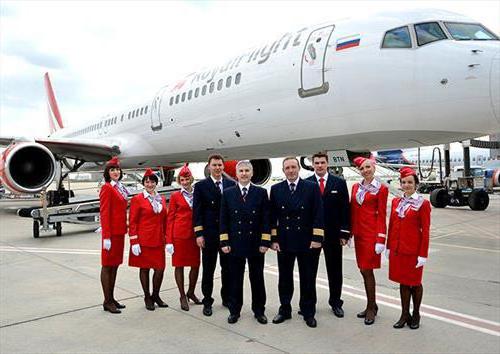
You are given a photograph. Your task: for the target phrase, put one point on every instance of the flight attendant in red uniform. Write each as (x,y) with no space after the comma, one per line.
(181,240)
(368,212)
(408,246)
(147,229)
(113,216)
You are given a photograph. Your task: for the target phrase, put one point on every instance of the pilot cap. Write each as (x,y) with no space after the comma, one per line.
(407,171)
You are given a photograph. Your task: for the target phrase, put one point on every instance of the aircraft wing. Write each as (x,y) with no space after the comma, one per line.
(89,152)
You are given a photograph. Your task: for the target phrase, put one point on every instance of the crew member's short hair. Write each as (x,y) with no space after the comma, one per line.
(415,178)
(215,157)
(320,155)
(107,177)
(152,177)
(290,158)
(244,163)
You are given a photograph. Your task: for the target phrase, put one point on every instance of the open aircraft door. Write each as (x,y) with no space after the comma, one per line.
(156,111)
(312,69)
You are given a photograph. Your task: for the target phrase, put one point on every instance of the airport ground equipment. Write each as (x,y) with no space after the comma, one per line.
(461,188)
(84,212)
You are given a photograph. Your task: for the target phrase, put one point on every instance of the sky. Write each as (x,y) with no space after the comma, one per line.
(105,55)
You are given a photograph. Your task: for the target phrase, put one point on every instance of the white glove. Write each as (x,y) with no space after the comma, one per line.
(136,249)
(421,262)
(170,248)
(387,253)
(379,248)
(350,242)
(106,244)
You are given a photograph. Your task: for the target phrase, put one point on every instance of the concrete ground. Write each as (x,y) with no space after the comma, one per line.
(50,300)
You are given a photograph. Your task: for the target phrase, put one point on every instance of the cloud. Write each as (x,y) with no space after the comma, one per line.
(28,51)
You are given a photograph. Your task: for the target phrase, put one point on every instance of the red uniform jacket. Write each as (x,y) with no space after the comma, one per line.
(113,212)
(180,218)
(145,227)
(368,219)
(410,235)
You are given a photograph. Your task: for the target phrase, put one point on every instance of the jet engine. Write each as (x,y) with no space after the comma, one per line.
(27,167)
(262,169)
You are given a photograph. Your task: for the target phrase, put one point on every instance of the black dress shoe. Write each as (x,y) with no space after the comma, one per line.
(118,305)
(362,314)
(262,319)
(299,313)
(279,318)
(225,304)
(337,311)
(207,310)
(403,320)
(233,319)
(311,322)
(415,321)
(110,307)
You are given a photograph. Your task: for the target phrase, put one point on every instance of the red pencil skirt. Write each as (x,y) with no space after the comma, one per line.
(186,253)
(150,257)
(365,253)
(113,257)
(402,269)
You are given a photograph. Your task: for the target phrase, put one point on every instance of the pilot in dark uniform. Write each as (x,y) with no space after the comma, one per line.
(337,226)
(297,232)
(245,234)
(206,211)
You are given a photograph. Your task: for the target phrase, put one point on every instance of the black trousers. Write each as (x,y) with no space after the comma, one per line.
(333,261)
(209,262)
(308,268)
(256,275)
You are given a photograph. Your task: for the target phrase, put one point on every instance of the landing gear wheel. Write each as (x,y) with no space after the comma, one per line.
(58,229)
(479,200)
(439,198)
(36,229)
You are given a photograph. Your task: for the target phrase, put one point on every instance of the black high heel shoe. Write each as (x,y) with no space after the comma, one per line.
(110,307)
(403,320)
(158,301)
(194,299)
(362,314)
(184,303)
(118,305)
(415,321)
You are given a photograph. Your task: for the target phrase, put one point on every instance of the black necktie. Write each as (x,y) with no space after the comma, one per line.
(217,184)
(245,192)
(292,187)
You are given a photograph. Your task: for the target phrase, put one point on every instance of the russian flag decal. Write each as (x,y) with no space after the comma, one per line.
(348,42)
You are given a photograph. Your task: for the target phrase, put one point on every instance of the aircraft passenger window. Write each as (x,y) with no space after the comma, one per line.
(204,90)
(228,81)
(116,118)
(212,86)
(397,38)
(137,112)
(177,99)
(237,79)
(429,32)
(196,92)
(142,110)
(172,100)
(469,31)
(183,97)
(122,118)
(219,84)
(145,109)
(190,94)
(133,114)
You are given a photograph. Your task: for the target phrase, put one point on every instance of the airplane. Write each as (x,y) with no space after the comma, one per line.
(396,80)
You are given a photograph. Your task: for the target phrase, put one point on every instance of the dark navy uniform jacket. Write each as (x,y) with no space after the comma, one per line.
(245,225)
(206,209)
(336,207)
(296,219)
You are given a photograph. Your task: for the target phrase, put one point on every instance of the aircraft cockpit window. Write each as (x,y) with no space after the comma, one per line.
(122,118)
(397,38)
(142,110)
(219,84)
(114,120)
(172,100)
(212,86)
(204,90)
(237,79)
(129,115)
(137,112)
(183,97)
(228,81)
(190,94)
(146,110)
(429,32)
(469,31)
(196,92)
(133,114)
(177,99)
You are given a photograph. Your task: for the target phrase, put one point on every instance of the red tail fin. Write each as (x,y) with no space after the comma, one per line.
(55,120)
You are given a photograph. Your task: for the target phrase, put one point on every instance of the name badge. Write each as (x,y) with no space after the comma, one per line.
(334,192)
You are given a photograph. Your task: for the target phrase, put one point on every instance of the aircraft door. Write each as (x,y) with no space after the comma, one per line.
(156,111)
(312,69)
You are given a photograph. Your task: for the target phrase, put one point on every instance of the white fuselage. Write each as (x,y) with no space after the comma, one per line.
(298,95)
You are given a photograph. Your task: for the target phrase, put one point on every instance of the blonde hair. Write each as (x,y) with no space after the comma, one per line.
(178,179)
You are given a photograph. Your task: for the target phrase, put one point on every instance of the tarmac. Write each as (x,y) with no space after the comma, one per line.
(51,300)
